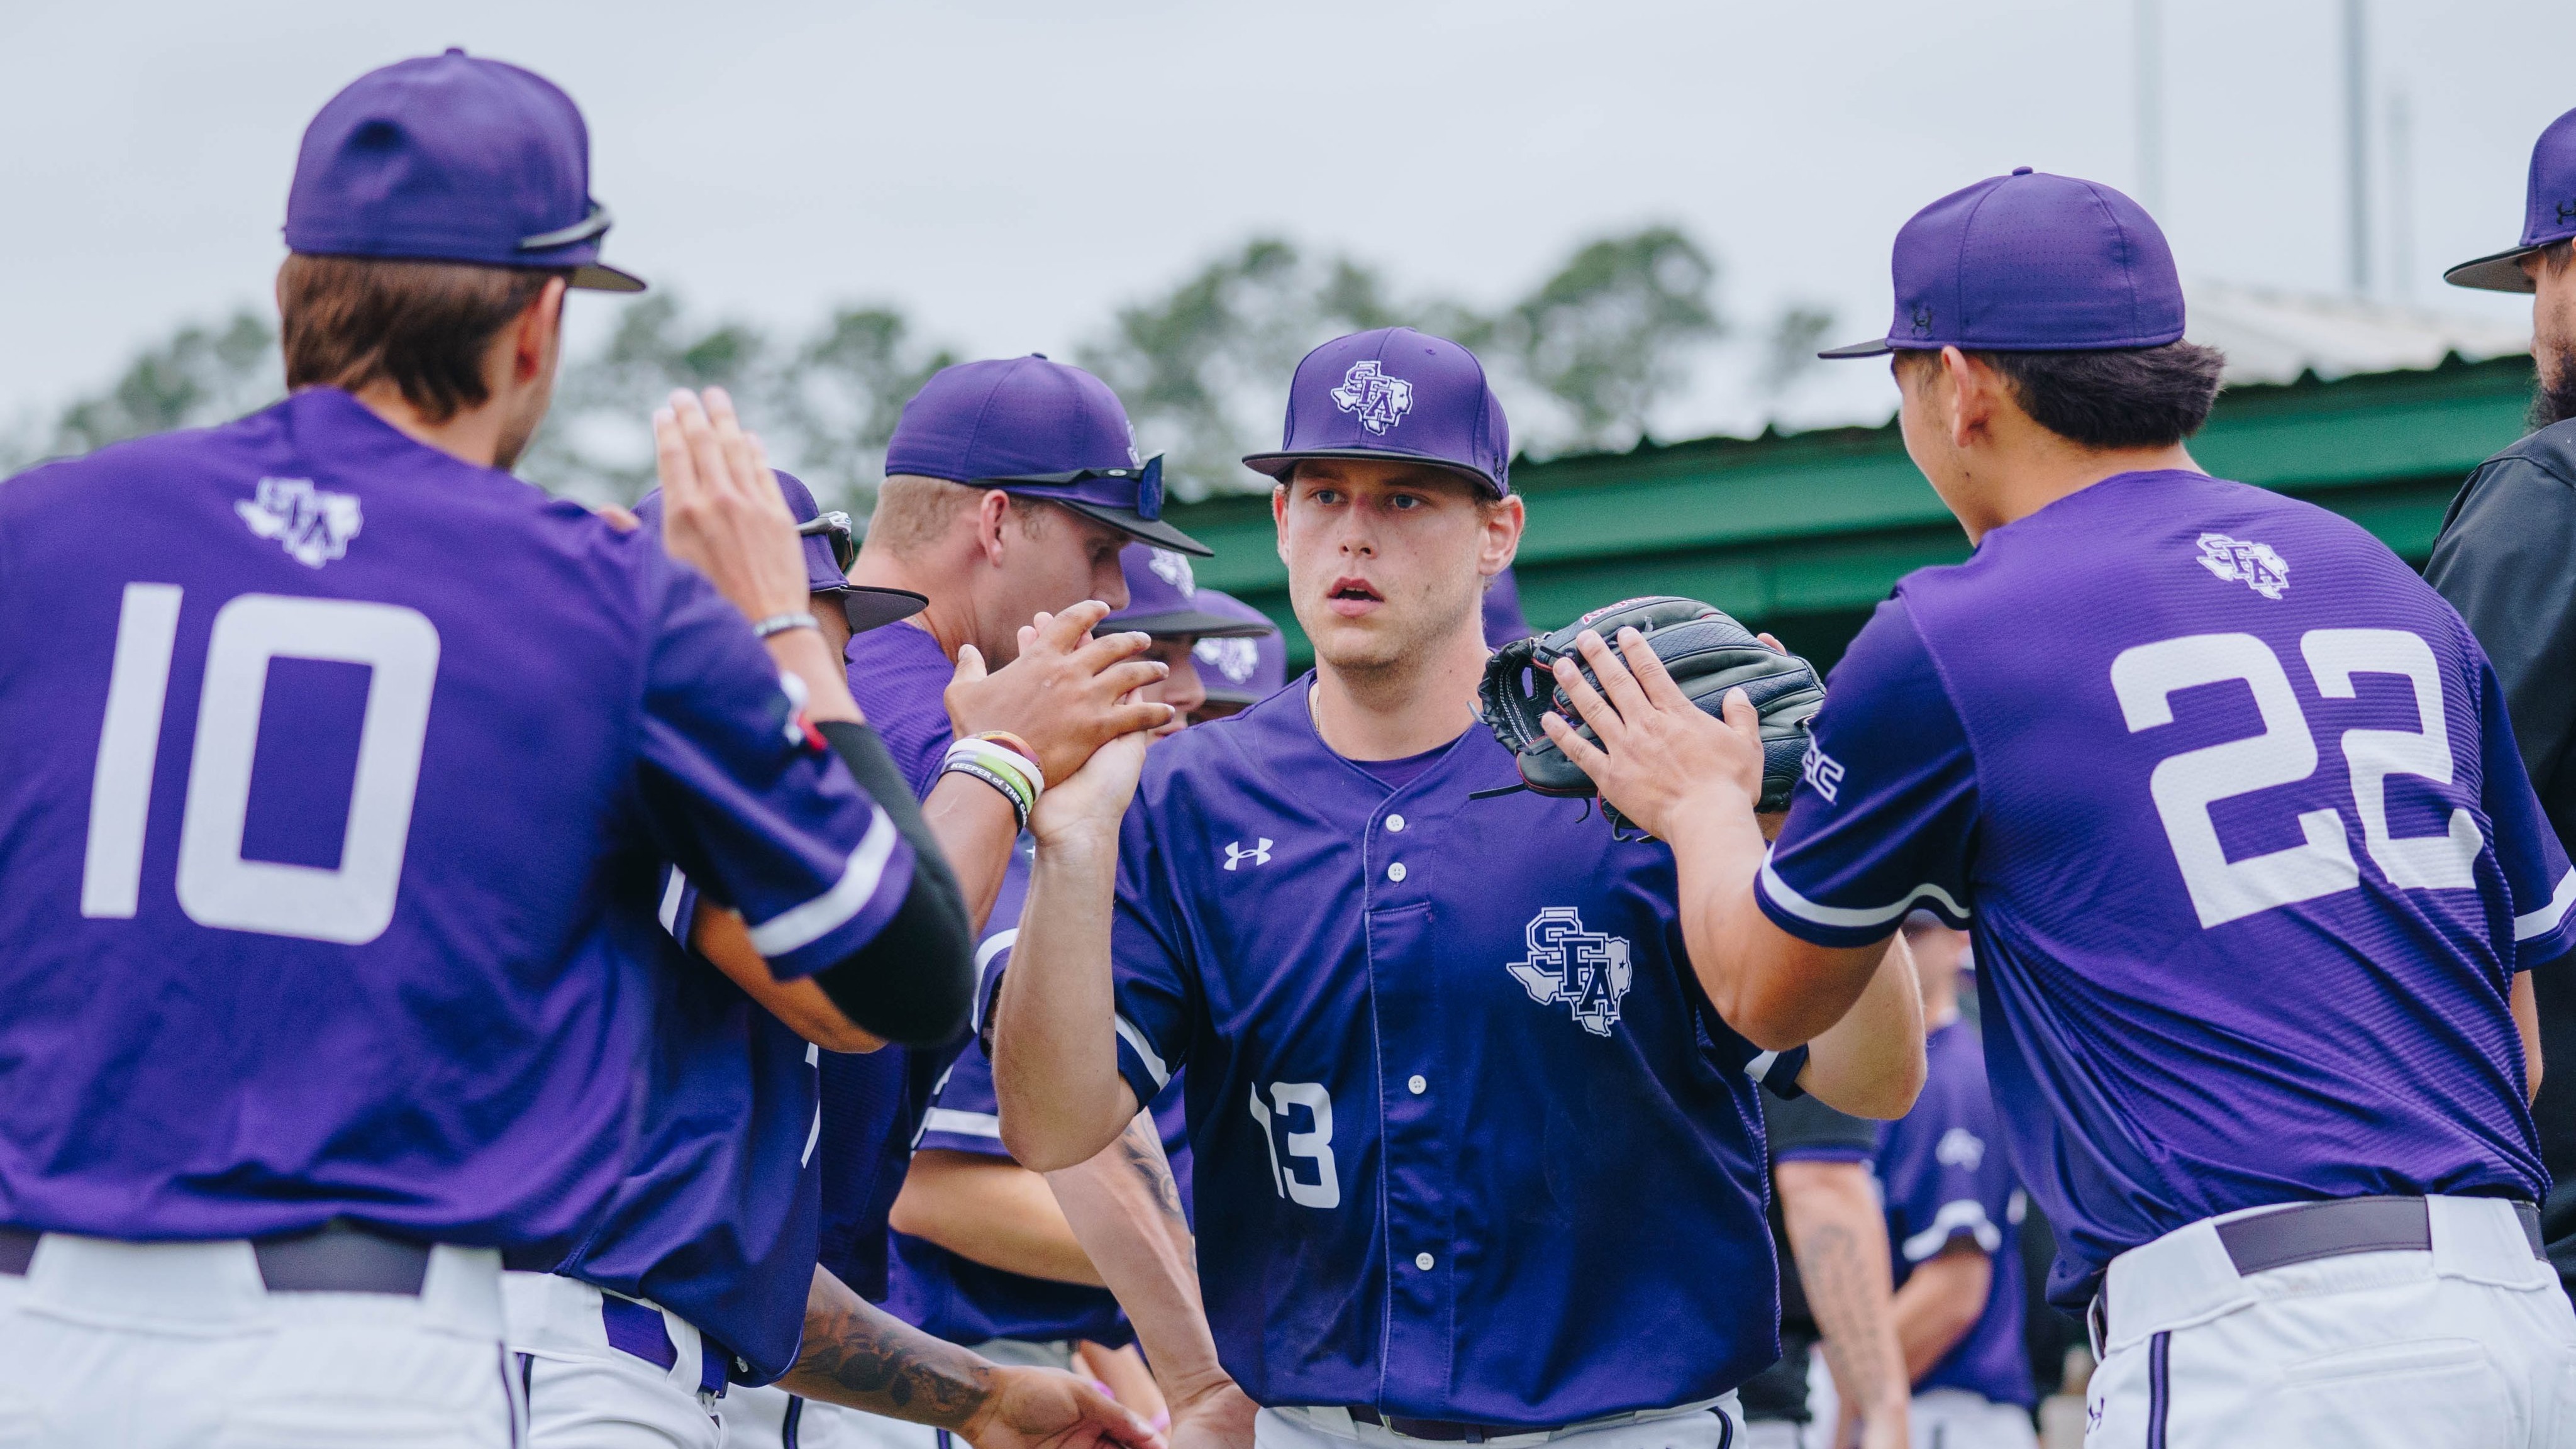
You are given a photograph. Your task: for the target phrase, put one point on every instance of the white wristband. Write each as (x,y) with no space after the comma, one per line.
(1002,759)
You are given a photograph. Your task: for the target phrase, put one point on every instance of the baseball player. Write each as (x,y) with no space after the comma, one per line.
(2503,562)
(1012,487)
(320,992)
(1954,1214)
(1834,1288)
(983,1254)
(1472,1160)
(2256,873)
(1238,672)
(702,1269)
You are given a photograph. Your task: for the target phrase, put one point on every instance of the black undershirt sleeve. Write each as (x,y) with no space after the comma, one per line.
(914,981)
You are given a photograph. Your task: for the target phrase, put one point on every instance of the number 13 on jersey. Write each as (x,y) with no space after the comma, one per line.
(2184,787)
(351,904)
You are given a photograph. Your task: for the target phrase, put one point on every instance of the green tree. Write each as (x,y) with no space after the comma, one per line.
(206,373)
(1204,367)
(1608,335)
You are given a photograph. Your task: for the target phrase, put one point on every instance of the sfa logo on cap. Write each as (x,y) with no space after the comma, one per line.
(1379,401)
(1350,394)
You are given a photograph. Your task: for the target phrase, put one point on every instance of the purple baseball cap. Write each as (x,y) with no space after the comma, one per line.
(2548,214)
(1163,599)
(1503,619)
(1240,669)
(1394,394)
(865,607)
(1037,429)
(451,158)
(2031,263)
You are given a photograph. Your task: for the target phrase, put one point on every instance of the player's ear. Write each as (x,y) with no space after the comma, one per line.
(992,511)
(1504,520)
(1970,395)
(1279,519)
(538,333)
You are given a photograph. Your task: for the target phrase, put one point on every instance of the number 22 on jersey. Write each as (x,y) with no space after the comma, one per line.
(2184,787)
(351,904)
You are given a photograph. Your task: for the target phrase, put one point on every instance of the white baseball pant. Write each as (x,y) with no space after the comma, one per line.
(2471,1343)
(584,1392)
(1718,1424)
(182,1345)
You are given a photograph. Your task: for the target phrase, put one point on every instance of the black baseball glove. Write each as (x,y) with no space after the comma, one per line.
(1706,653)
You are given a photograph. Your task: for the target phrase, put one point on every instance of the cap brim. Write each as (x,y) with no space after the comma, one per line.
(873,608)
(600,277)
(1188,621)
(1277,465)
(2501,272)
(1136,526)
(1875,347)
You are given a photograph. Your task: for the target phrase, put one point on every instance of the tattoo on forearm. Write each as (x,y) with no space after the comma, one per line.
(1143,1150)
(897,1369)
(1851,1313)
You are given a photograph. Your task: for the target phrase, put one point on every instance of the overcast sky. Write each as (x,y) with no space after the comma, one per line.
(1009,172)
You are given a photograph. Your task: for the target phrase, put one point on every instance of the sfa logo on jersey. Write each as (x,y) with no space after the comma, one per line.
(2242,560)
(1588,971)
(313,527)
(1379,401)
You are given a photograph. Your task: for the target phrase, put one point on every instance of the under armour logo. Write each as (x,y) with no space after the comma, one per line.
(1236,855)
(313,527)
(2243,560)
(1959,1147)
(1379,401)
(1587,970)
(1922,321)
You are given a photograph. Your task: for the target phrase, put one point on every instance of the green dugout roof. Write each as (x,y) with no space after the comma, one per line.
(1804,533)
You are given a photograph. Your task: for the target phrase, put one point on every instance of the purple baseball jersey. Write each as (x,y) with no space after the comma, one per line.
(717,1215)
(322,813)
(954,1297)
(2233,799)
(1944,1173)
(873,1104)
(1469,1142)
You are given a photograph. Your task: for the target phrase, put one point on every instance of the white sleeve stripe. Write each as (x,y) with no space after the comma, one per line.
(963,1124)
(1806,910)
(802,926)
(2545,920)
(670,913)
(1966,1213)
(994,945)
(1134,1036)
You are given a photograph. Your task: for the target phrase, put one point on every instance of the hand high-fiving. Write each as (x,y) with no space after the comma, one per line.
(721,509)
(1066,694)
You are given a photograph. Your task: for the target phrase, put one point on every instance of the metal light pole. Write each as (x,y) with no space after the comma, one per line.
(2356,126)
(2150,47)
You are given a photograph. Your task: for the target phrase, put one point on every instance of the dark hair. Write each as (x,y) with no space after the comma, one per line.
(2130,397)
(422,326)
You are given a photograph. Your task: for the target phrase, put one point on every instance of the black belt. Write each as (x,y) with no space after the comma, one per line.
(339,1258)
(2334,1228)
(1443,1430)
(2340,1226)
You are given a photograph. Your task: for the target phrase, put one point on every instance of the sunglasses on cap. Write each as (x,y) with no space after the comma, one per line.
(836,527)
(1149,483)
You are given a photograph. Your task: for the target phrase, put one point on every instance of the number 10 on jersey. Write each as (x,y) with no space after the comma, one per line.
(351,904)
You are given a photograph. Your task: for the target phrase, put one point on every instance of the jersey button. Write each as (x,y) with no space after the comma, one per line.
(1422,1261)
(1416,1084)
(1395,871)
(1395,823)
